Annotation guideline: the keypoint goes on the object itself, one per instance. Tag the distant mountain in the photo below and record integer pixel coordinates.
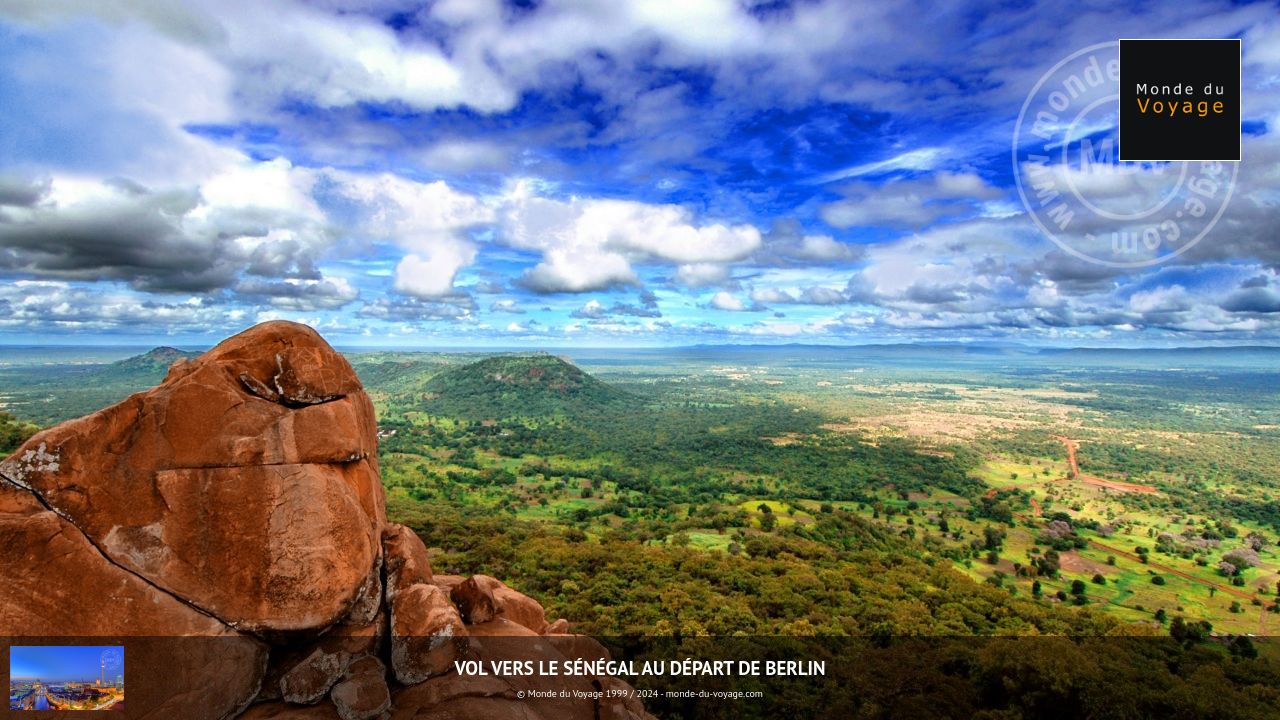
(143, 370)
(991, 351)
(514, 385)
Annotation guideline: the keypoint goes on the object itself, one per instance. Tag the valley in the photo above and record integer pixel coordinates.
(798, 491)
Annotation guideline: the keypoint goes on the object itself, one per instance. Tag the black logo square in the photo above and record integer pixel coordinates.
(1179, 100)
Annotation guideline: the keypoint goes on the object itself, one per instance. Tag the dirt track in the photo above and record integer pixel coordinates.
(1172, 571)
(1126, 487)
(1116, 485)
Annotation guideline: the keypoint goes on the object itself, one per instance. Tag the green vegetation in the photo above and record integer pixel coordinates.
(865, 498)
(13, 432)
(518, 386)
(813, 491)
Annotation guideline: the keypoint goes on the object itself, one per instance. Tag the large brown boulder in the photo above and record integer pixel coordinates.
(310, 679)
(363, 693)
(245, 484)
(522, 697)
(427, 633)
(57, 584)
(406, 558)
(481, 598)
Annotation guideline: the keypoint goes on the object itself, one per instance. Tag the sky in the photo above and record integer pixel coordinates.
(62, 662)
(589, 173)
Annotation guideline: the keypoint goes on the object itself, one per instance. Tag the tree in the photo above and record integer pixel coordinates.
(768, 521)
(1098, 579)
(1241, 646)
(1189, 633)
(1157, 580)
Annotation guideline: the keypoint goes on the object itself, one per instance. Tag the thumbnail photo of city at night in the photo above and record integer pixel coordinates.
(66, 677)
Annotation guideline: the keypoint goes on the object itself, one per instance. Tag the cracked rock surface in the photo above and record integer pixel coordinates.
(228, 527)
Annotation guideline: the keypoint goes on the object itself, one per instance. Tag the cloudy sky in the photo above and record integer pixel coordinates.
(589, 172)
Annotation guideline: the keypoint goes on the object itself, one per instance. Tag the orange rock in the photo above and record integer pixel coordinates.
(246, 483)
(427, 634)
(481, 598)
(523, 697)
(447, 582)
(310, 679)
(281, 711)
(579, 647)
(56, 583)
(363, 692)
(406, 558)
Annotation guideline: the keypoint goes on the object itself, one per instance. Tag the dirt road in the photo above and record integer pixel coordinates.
(1172, 571)
(1097, 481)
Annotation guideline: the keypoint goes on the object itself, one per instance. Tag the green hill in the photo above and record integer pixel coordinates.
(140, 371)
(519, 385)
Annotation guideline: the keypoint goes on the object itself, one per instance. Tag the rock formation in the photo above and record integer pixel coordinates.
(228, 527)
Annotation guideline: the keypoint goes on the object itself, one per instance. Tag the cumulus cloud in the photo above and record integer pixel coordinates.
(44, 305)
(157, 96)
(506, 305)
(697, 275)
(724, 300)
(772, 296)
(812, 295)
(412, 309)
(431, 274)
(254, 218)
(787, 245)
(589, 244)
(299, 294)
(909, 203)
(430, 220)
(595, 310)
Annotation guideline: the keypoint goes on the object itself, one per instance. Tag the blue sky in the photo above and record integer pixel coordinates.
(592, 173)
(61, 662)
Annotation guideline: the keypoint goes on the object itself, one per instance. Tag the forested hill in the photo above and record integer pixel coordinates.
(520, 385)
(143, 370)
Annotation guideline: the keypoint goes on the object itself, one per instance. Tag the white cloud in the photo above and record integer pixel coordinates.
(431, 274)
(505, 305)
(427, 219)
(909, 203)
(591, 309)
(727, 301)
(919, 159)
(771, 296)
(1173, 298)
(566, 270)
(464, 156)
(589, 244)
(251, 217)
(36, 305)
(696, 275)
